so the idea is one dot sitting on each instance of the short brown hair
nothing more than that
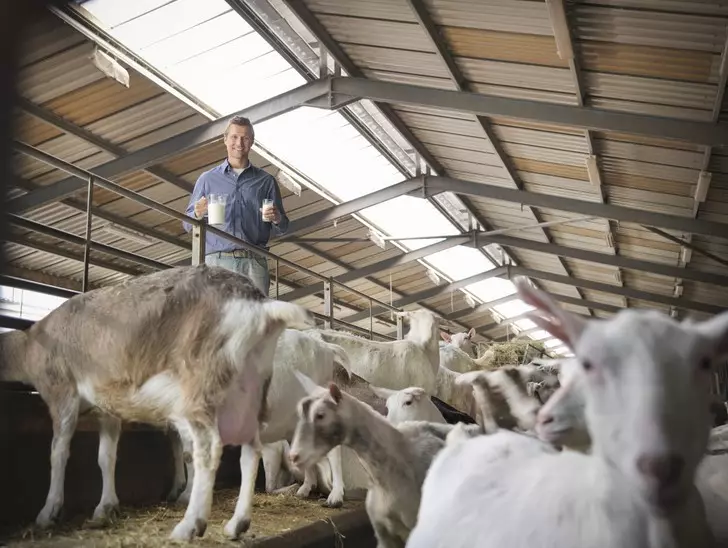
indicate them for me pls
(240, 121)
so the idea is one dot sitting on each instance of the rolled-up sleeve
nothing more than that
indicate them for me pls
(198, 192)
(275, 195)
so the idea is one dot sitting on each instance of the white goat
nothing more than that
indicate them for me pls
(455, 359)
(189, 346)
(412, 361)
(396, 458)
(646, 379)
(295, 351)
(462, 341)
(562, 422)
(409, 404)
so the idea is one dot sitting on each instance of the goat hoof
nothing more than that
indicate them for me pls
(236, 527)
(187, 530)
(175, 493)
(48, 516)
(303, 492)
(105, 513)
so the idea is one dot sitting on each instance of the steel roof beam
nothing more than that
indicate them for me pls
(158, 152)
(462, 84)
(430, 293)
(608, 260)
(372, 269)
(70, 128)
(582, 207)
(347, 208)
(616, 290)
(704, 133)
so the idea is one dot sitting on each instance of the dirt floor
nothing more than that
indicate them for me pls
(150, 526)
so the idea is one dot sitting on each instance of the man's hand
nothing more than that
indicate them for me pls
(200, 207)
(271, 214)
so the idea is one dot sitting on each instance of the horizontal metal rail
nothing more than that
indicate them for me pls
(161, 208)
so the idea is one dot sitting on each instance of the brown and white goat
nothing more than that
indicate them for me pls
(189, 347)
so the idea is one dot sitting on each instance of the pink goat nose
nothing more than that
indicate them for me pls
(666, 469)
(293, 457)
(545, 419)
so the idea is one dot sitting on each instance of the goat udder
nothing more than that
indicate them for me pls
(237, 417)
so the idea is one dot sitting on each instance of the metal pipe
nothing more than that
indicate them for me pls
(78, 240)
(362, 295)
(87, 243)
(689, 245)
(278, 294)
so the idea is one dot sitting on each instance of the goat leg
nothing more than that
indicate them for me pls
(309, 483)
(206, 453)
(109, 433)
(250, 455)
(336, 496)
(272, 464)
(178, 457)
(65, 418)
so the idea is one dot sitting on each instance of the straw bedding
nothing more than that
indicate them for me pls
(151, 525)
(512, 353)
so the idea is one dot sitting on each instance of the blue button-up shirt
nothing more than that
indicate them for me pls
(245, 194)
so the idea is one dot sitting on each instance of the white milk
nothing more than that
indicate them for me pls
(216, 214)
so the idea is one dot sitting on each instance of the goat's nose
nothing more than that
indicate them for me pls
(666, 469)
(293, 457)
(545, 419)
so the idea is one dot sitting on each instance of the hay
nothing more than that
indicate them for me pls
(512, 353)
(273, 515)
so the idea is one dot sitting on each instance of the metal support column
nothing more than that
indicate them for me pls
(400, 328)
(198, 244)
(278, 289)
(87, 244)
(329, 304)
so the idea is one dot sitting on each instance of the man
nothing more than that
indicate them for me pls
(245, 187)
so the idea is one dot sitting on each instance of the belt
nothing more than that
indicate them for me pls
(237, 253)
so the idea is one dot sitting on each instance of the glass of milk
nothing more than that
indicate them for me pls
(216, 209)
(267, 206)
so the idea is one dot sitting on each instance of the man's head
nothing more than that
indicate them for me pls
(238, 138)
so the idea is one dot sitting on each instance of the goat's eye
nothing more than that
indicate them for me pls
(319, 416)
(408, 402)
(587, 365)
(706, 364)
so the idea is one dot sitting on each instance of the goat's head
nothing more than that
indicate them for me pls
(320, 425)
(408, 404)
(463, 341)
(561, 420)
(646, 383)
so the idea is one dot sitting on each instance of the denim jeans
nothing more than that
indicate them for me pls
(255, 268)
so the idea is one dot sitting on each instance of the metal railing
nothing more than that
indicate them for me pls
(199, 231)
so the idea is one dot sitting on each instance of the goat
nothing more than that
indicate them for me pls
(646, 379)
(457, 360)
(462, 341)
(396, 458)
(409, 404)
(412, 361)
(189, 346)
(561, 422)
(295, 351)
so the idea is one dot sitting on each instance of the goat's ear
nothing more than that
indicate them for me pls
(471, 333)
(383, 393)
(417, 392)
(445, 336)
(335, 392)
(311, 388)
(715, 330)
(558, 322)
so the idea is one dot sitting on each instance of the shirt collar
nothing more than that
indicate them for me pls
(227, 167)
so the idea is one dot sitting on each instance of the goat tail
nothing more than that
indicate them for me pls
(341, 358)
(292, 315)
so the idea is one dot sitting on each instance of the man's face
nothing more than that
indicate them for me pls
(238, 141)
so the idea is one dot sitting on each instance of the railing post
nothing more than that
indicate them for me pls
(87, 244)
(371, 321)
(400, 327)
(329, 304)
(277, 284)
(198, 243)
